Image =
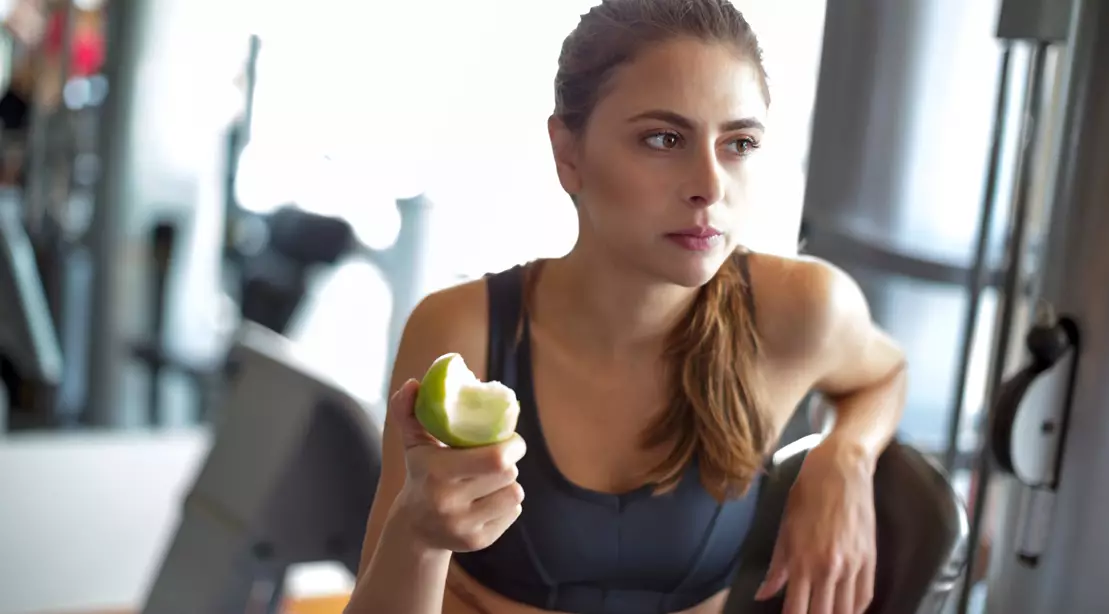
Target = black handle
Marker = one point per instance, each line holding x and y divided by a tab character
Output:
1047	343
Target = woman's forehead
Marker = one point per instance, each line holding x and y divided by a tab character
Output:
708	83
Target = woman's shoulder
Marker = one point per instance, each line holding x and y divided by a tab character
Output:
466	304
456	318
451	319
801	301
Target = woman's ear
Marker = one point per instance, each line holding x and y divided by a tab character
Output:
564	147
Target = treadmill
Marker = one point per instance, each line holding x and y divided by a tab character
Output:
28	340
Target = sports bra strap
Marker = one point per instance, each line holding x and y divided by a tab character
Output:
505	292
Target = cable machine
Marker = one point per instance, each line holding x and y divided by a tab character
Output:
50	111
1022	295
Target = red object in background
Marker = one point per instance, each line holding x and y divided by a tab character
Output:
86	52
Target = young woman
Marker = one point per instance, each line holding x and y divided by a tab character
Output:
656	364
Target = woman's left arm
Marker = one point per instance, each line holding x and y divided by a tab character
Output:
825	555
860	370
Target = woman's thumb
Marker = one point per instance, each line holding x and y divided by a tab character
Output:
402	412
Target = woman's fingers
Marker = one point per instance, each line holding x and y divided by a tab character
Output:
845	595
503	503
823	596
864	586
484	485
798	594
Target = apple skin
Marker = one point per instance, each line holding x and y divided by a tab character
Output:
430	408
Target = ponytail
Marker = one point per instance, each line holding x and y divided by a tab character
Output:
713	406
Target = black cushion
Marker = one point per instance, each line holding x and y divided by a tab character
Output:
921	533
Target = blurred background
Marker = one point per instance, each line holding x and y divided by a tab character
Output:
172	168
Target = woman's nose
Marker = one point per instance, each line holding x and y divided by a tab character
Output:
705	180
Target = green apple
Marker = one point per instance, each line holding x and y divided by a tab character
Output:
461	411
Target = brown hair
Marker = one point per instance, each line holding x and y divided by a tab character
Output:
713	406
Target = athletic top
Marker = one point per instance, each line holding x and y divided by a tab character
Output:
582	551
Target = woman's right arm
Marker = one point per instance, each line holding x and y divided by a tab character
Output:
397	574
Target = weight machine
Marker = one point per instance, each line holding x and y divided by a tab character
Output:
52	109
1038	442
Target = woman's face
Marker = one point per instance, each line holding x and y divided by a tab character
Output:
661	171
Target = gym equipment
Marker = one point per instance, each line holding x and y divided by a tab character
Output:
272	259
922	533
1049	423
289	479
58	133
268	256
153	351
293	241
114	190
238	137
916	230
28	340
275	254
1046	148
1037	399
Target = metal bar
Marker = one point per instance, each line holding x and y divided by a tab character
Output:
251	78
862	252
1010	291
976	280
106	231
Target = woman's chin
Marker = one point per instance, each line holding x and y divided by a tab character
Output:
692	272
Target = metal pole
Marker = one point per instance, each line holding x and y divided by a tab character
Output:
1010	292
107	349
251	78
976	281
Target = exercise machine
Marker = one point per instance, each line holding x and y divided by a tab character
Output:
922	533
29	346
1049	424
289	479
52	115
269	258
276	254
276	257
1028	424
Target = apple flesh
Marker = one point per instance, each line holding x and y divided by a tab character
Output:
461	411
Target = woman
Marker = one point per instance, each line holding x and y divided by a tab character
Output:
656	364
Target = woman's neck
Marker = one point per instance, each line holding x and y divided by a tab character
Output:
611	311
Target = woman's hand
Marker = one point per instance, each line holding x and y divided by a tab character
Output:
825	554
457	500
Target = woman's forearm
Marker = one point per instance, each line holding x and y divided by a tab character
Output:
867	420
402	577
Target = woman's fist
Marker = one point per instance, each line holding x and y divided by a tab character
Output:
459	500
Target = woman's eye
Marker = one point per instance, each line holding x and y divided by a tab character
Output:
664	140
745	145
